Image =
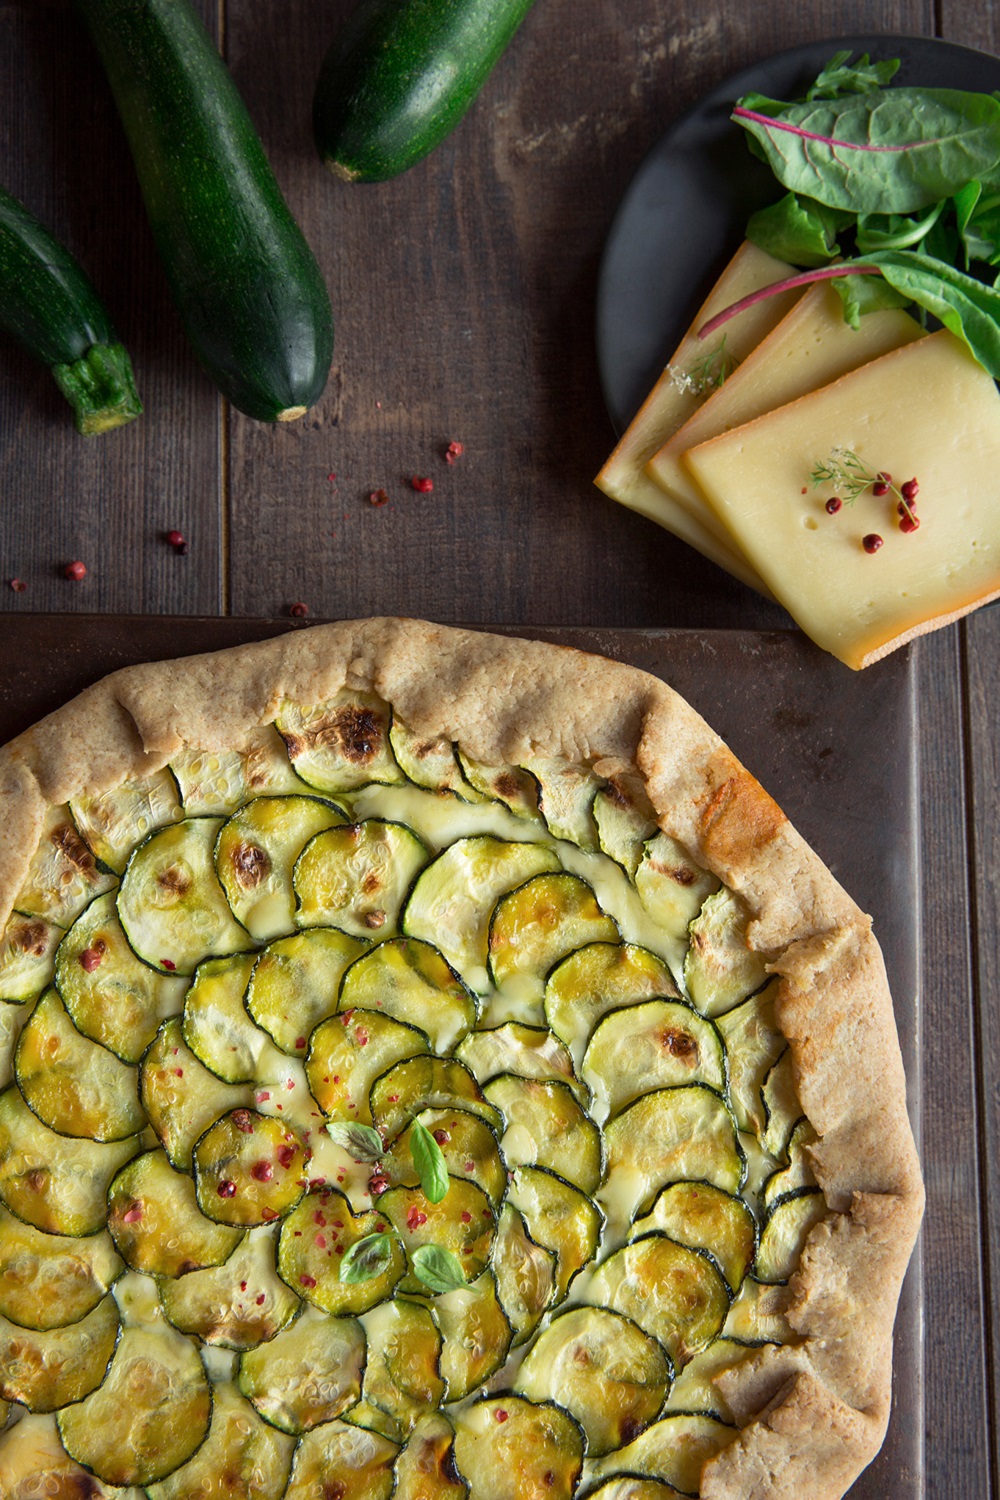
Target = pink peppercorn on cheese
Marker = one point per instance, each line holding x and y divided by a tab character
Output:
861	578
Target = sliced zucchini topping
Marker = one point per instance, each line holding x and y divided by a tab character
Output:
525	1274
753	1046
64	876
342	744
411	981
670	885
425	1469
12	1021
315	1242
675	1450
468	1146
74	1085
508	1448
349	1051
255	856
634	1487
546	1127
402	1375
50	1369
721	969
624	818
357	877
558	1217
360	1459
31	1453
237	1305
27	957
515	788
113	822
675	1294
309	1373
599	978
528	1051
155	1221
536	925
566	799
249	1168
782	1110
798	1172
216	1026
216	782
686	1131
51	1280
475	1333
294	984
785	1232
462	1223
705	1218
653	1045
430	761
695	1388
399	1094
242	1452
180	1096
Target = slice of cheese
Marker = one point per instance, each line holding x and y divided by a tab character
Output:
927	411
679	392
811	346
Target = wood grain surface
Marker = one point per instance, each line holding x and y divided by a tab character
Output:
464	300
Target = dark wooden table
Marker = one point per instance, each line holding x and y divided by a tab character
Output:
464	296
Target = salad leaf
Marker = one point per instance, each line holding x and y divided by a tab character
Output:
968	307
798	230
896	231
841	77
977	216
865	294
438	1268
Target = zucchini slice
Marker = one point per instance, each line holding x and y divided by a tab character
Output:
255	856
57	1183
675	1449
358	876
180	1096
216	1026
31	1448
757	1315
653	1045
670	885
295	981
51	1280
785	1232
703	1217
566	800
430	763
213	782
417	1083
508	1448
525	1274
624	817
249	1168
546	1127
12	1022
676	1295
601	1368
599	978
476	1335
49	1369
686	1131
237	1305
468	1145
113	822
695	1389
558	1217
74	1085
453	899
63	876
171	906
361	1461
27	957
342	744
634	1487
782	1110
402	1375
720	969
510	785
753	1046
155	1221
314	1239
463	1222
373	1419
110	995
528	1051
309	1373
348	1052
242	1452
425	1468
412	982
126	1432
798	1173
539	923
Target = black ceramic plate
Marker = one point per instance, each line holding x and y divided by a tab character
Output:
686	209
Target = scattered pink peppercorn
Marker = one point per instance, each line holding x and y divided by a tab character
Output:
226	1189
909	491
177	540
243	1120
262	1171
168	964
91	958
285	1155
882	482
453	451
833	505
132	1214
378	497
872	542
307	1281
18	585
421	485
76	572
500	1414
909	523
298	610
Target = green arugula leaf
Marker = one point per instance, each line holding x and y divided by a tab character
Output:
798	230
890	151
367	1258
437	1268
840	77
360	1141
428	1159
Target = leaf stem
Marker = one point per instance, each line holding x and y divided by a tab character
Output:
804	278
740	113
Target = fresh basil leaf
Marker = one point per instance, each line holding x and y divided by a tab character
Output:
865	294
437	1268
798	230
966	306
360	1141
428	1159
840	77
893	151
367	1258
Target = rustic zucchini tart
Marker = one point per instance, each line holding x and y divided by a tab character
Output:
432	1066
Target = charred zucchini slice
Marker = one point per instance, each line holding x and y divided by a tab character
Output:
525	1274
213	782
402	1375
601	1368
624	818
255	856
27	957
50	1369
51	1280
242	1452
463	1223
476	1335
348	1052
180	1096
110	995
546	1127
566	795
425	1468
113	822
342	744
361	1460
785	1232
155	1221
703	1217
539	923
508	1448
249	1169
63	876
237	1305
125	1431
528	1051
430	762
515	788
216	1026
782	1110
31	1448
695	1389
418	1083
798	1173
468	1145
314	1239
753	1045
599	978
675	1294
412	982
309	1373
55	1182
358	876
721	969
453	899
757	1315
558	1217
686	1131
295	982
171	906
74	1085
675	1450
670	885
653	1045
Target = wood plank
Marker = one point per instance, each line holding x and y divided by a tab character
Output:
105	500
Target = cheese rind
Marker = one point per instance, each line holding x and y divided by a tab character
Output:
810	347
926	411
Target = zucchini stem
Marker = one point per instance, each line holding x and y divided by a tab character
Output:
100	387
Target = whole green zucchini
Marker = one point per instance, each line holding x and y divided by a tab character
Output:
251	297
401	75
48	304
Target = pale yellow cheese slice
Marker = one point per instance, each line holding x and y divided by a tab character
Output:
811	346
926	411
680	391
